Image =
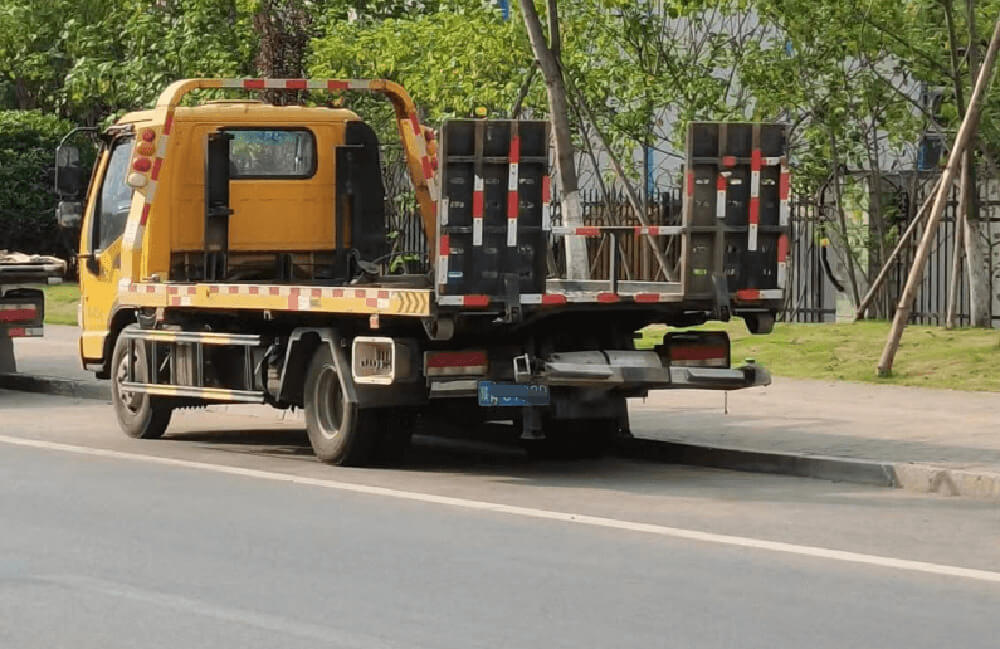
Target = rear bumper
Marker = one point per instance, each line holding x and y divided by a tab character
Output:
641	370
706	378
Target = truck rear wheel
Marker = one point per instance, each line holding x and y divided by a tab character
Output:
141	416
340	433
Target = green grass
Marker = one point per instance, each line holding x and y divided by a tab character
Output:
962	359
60	303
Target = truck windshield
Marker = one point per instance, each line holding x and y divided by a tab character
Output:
115	197
271	153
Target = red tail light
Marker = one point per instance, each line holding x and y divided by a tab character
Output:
462	363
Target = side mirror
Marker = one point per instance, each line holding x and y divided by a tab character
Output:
91	262
69	174
69	214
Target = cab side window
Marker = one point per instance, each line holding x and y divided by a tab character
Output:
115	198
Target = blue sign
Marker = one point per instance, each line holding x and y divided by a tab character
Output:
512	394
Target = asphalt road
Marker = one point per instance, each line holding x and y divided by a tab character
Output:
228	534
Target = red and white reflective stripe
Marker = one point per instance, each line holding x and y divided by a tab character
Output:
444	249
576	297
652	298
772	161
24	332
297	84
471	301
443	210
17	312
721	185
782	260
690	183
754	218
513	207
638	230
477	210
751	294
299	298
784	195
426	163
545	299
546	203
586	231
728	161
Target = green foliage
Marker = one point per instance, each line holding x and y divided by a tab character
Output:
450	61
28	140
86	59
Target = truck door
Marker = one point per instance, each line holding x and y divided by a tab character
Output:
100	246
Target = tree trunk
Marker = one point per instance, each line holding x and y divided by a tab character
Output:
977	251
842	219
284	30
977	254
956	257
515	110
572	211
963	140
875	218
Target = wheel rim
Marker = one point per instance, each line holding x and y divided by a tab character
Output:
128	398
329	403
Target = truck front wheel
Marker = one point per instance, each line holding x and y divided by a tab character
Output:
340	433
140	416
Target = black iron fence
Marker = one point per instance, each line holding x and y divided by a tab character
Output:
817	277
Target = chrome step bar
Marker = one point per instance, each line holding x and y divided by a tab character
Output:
197	337
211	394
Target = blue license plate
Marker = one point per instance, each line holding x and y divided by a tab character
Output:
512	394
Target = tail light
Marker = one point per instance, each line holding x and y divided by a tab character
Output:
461	363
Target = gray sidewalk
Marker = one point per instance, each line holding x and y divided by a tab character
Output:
927	440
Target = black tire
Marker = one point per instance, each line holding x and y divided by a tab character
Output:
340	433
141	416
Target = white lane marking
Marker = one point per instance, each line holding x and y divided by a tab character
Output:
531	512
264	621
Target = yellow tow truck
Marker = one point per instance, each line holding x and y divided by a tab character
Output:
236	251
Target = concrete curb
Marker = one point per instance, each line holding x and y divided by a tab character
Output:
55	385
917	477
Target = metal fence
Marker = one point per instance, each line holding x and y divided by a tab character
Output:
816	271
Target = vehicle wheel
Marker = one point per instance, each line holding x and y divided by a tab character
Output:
340	433
141	416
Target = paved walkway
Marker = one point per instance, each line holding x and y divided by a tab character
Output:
944	428
887	423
